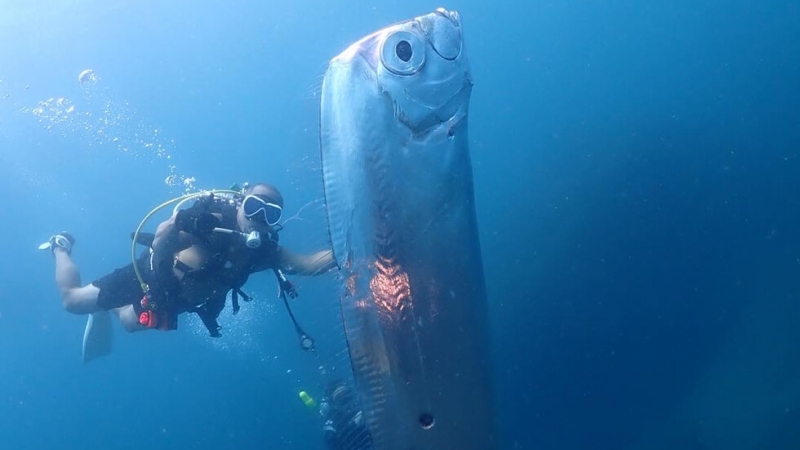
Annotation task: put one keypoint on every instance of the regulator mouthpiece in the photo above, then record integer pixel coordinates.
(253, 239)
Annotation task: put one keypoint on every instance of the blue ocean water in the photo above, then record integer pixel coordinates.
(636, 172)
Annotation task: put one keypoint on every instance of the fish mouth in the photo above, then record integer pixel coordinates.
(423, 119)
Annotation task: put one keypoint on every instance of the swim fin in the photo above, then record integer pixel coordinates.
(98, 337)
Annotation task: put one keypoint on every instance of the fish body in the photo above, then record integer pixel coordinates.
(401, 214)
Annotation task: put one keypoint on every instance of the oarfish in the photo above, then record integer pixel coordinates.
(401, 215)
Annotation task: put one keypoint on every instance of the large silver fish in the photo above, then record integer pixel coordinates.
(401, 215)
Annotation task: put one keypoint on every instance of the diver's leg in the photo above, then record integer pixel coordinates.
(76, 299)
(129, 319)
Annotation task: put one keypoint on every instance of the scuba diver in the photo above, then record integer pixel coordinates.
(194, 259)
(343, 426)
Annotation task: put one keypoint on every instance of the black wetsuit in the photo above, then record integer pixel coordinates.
(122, 288)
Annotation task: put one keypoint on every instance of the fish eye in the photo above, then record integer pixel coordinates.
(403, 53)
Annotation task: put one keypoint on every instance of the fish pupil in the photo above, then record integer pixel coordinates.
(403, 51)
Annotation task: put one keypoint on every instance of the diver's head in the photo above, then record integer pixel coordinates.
(260, 209)
(339, 393)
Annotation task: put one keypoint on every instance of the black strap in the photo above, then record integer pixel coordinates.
(235, 293)
(209, 319)
(235, 301)
(286, 288)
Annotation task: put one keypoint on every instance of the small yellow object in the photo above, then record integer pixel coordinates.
(307, 399)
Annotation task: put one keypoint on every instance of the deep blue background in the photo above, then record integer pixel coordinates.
(636, 170)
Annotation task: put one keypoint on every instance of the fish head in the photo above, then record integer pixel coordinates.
(421, 68)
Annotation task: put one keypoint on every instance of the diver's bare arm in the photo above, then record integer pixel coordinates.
(314, 264)
(169, 240)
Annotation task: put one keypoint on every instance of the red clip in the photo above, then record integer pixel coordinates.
(148, 319)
